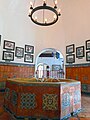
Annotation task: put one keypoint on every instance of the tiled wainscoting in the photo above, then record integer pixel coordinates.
(14, 70)
(80, 72)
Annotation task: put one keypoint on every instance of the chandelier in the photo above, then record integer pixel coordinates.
(48, 14)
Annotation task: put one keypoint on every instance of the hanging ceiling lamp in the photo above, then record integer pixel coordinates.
(35, 13)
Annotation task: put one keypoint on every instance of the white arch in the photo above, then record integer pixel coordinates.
(41, 63)
(44, 50)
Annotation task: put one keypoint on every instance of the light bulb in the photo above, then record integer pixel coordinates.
(55, 2)
(31, 3)
(30, 11)
(54, 17)
(59, 11)
(45, 20)
(35, 18)
(44, 1)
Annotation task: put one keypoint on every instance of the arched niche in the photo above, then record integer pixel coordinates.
(49, 64)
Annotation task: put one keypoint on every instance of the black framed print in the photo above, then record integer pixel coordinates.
(19, 52)
(70, 49)
(70, 58)
(29, 49)
(8, 56)
(28, 58)
(88, 45)
(88, 56)
(9, 45)
(80, 52)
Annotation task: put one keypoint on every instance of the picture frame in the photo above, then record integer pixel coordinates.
(9, 45)
(7, 55)
(28, 58)
(80, 52)
(70, 58)
(87, 44)
(88, 56)
(56, 67)
(70, 49)
(29, 49)
(19, 52)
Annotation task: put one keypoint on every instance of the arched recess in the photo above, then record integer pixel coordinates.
(49, 64)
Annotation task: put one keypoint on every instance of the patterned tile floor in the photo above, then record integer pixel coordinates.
(84, 115)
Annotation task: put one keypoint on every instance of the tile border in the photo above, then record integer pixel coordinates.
(78, 65)
(16, 64)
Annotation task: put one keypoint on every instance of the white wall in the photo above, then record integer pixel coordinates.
(51, 37)
(76, 21)
(15, 24)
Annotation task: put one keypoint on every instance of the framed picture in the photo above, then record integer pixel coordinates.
(80, 52)
(70, 49)
(28, 58)
(88, 45)
(19, 52)
(70, 58)
(56, 67)
(9, 45)
(88, 56)
(8, 55)
(29, 49)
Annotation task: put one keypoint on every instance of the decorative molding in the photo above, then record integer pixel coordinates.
(16, 64)
(34, 83)
(78, 65)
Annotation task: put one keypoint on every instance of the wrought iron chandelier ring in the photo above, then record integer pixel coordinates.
(44, 8)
